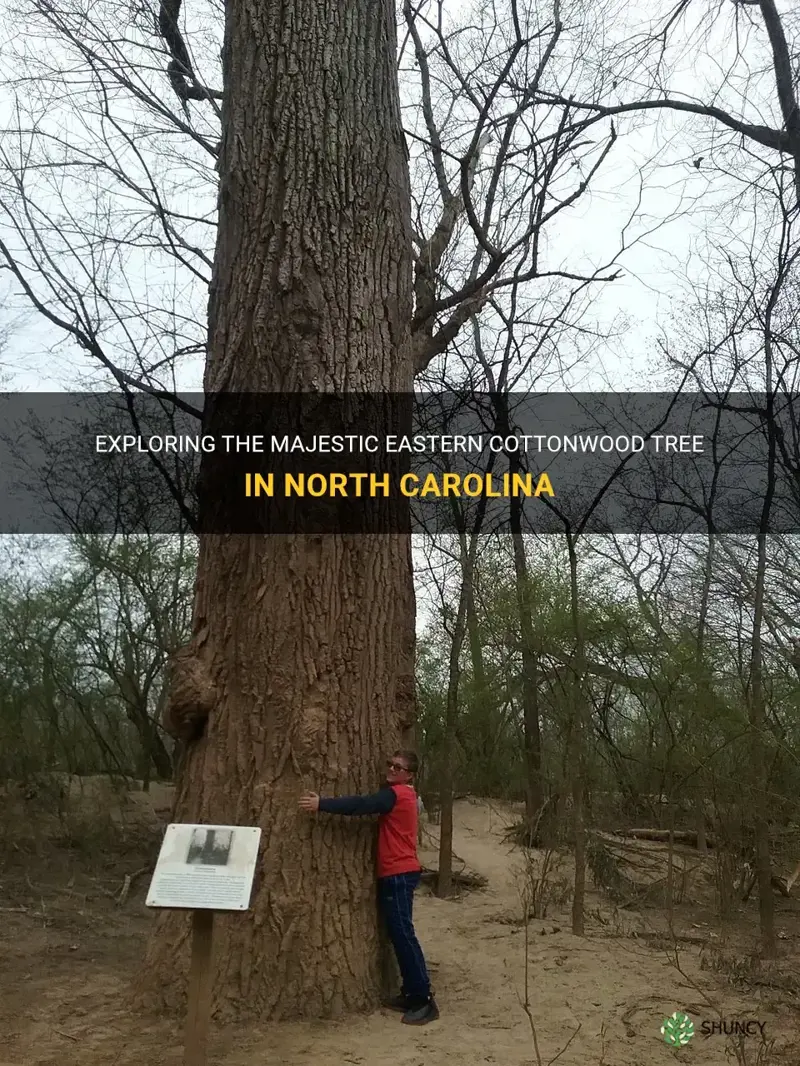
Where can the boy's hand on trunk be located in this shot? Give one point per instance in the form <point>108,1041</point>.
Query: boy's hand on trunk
<point>309,802</point>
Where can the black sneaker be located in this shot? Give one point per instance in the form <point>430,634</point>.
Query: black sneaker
<point>398,1003</point>
<point>428,1012</point>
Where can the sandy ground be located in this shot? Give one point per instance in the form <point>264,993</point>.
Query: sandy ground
<point>66,957</point>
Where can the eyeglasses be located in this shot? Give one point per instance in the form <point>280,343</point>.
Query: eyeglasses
<point>395,766</point>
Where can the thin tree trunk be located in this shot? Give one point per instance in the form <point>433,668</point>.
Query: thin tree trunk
<point>759,763</point>
<point>299,673</point>
<point>671,865</point>
<point>534,784</point>
<point>700,823</point>
<point>475,647</point>
<point>153,751</point>
<point>534,793</point>
<point>701,683</point>
<point>444,882</point>
<point>580,731</point>
<point>758,708</point>
<point>468,549</point>
<point>483,710</point>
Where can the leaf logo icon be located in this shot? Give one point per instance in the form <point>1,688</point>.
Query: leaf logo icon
<point>677,1030</point>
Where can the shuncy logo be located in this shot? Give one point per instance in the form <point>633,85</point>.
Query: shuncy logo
<point>678,1029</point>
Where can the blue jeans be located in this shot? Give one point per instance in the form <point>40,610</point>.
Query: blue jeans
<point>396,900</point>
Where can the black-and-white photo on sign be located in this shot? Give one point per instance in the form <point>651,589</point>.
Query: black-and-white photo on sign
<point>210,847</point>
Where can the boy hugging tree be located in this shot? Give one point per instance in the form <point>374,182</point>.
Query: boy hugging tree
<point>398,873</point>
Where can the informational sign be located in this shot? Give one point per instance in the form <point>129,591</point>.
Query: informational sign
<point>205,867</point>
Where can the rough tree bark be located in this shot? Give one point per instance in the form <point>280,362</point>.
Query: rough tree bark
<point>299,672</point>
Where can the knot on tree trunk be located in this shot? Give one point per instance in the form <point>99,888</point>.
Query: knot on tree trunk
<point>192,694</point>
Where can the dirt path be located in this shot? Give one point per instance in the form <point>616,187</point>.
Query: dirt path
<point>608,993</point>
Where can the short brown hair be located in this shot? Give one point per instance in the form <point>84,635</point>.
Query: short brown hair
<point>411,760</point>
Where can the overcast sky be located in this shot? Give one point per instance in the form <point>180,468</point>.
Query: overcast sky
<point>677,208</point>
<point>649,175</point>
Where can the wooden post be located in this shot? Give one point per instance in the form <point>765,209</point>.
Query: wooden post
<point>198,1014</point>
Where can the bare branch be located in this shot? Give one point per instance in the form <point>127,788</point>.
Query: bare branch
<point>776,139</point>
<point>180,72</point>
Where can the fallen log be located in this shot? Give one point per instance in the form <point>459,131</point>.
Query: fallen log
<point>783,885</point>
<point>460,878</point>
<point>661,836</point>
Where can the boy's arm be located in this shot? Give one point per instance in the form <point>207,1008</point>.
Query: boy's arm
<point>377,803</point>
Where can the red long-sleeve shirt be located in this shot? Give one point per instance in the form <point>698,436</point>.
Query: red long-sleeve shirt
<point>397,825</point>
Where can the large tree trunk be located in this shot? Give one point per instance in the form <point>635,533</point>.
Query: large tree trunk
<point>302,649</point>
